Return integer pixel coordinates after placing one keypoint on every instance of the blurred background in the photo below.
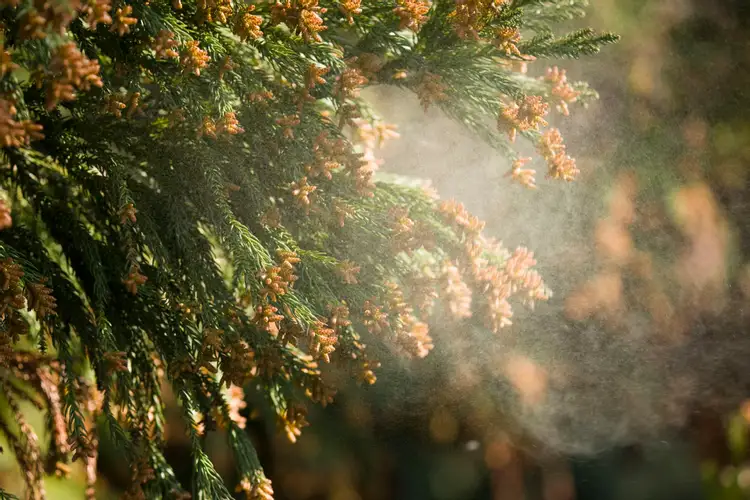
(631, 383)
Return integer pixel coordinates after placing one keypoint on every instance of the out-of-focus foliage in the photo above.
(687, 91)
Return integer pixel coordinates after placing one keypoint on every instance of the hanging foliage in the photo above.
(191, 197)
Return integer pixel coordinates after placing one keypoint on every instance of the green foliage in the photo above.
(4, 495)
(572, 45)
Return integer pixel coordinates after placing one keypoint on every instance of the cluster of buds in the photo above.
(338, 316)
(349, 83)
(526, 114)
(362, 173)
(10, 285)
(12, 299)
(374, 318)
(277, 280)
(561, 89)
(500, 310)
(329, 155)
(114, 105)
(127, 214)
(348, 272)
(431, 89)
(506, 39)
(247, 25)
(226, 65)
(552, 149)
(518, 65)
(141, 471)
(45, 17)
(323, 340)
(356, 352)
(313, 77)
(90, 465)
(207, 128)
(267, 318)
(402, 229)
(302, 16)
(363, 168)
(39, 299)
(134, 279)
(423, 286)
(211, 345)
(523, 176)
(518, 268)
(288, 260)
(257, 487)
(350, 8)
(288, 122)
(260, 97)
(97, 12)
(374, 135)
(293, 420)
(368, 63)
(274, 283)
(6, 220)
(368, 371)
(341, 210)
(181, 366)
(29, 368)
(412, 14)
(238, 363)
(114, 362)
(498, 289)
(335, 149)
(235, 398)
(271, 218)
(26, 447)
(320, 392)
(499, 283)
(16, 133)
(470, 16)
(322, 168)
(412, 335)
(302, 192)
(47, 379)
(123, 20)
(165, 45)
(227, 126)
(271, 363)
(135, 106)
(502, 282)
(460, 218)
(347, 112)
(214, 10)
(6, 62)
(188, 310)
(456, 292)
(193, 58)
(71, 71)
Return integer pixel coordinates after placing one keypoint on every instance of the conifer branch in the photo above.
(192, 199)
